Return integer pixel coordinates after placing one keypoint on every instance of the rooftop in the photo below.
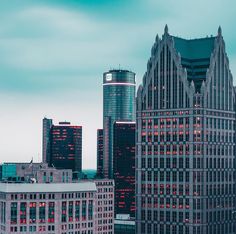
(194, 48)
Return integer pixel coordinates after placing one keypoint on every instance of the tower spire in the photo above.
(219, 31)
(166, 29)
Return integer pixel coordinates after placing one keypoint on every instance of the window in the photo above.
(32, 217)
(84, 213)
(51, 212)
(90, 210)
(23, 212)
(13, 212)
(71, 211)
(42, 212)
(63, 211)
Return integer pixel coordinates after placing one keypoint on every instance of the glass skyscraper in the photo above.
(47, 125)
(185, 171)
(62, 145)
(118, 105)
(124, 167)
(66, 147)
(99, 152)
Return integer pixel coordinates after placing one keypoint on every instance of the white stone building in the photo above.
(56, 208)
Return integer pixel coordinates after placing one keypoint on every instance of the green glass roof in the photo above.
(195, 48)
(195, 57)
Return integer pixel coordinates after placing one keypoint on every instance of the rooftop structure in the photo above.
(34, 172)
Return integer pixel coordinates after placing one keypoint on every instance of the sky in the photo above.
(53, 54)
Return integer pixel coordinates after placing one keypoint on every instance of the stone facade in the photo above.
(57, 208)
(105, 206)
(186, 139)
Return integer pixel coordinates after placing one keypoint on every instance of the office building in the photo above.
(47, 124)
(56, 208)
(118, 105)
(124, 167)
(186, 139)
(124, 224)
(104, 206)
(34, 173)
(64, 149)
(100, 153)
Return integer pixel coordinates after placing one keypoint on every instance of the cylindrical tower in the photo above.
(118, 105)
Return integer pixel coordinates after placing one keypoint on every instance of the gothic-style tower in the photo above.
(186, 139)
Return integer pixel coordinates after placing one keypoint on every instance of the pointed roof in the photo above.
(195, 57)
(195, 48)
(166, 29)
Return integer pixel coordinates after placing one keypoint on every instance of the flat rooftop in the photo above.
(48, 187)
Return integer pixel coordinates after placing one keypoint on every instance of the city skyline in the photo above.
(53, 56)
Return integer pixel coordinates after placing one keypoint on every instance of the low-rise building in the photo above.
(34, 172)
(124, 224)
(57, 208)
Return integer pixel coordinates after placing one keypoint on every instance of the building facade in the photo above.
(186, 139)
(48, 208)
(124, 167)
(54, 208)
(104, 206)
(63, 148)
(100, 152)
(124, 224)
(47, 124)
(34, 173)
(118, 105)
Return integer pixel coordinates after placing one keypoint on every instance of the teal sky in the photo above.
(53, 54)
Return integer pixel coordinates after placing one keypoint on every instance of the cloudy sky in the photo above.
(53, 54)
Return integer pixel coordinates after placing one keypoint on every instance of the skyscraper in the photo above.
(186, 139)
(47, 124)
(124, 167)
(64, 149)
(100, 152)
(118, 105)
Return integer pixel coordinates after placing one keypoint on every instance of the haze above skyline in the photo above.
(53, 55)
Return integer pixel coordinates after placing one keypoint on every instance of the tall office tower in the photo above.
(118, 105)
(47, 124)
(63, 145)
(124, 167)
(66, 147)
(100, 152)
(186, 139)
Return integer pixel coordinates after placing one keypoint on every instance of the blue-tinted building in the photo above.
(124, 167)
(185, 143)
(8, 170)
(118, 105)
(100, 152)
(47, 125)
